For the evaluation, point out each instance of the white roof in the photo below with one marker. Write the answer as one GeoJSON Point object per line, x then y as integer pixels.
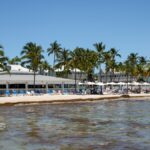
{"type": "Point", "coordinates": [72, 70]}
{"type": "Point", "coordinates": [76, 69]}
{"type": "Point", "coordinates": [16, 78]}
{"type": "Point", "coordinates": [18, 68]}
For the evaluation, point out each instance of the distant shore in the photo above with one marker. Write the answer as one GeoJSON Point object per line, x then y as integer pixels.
{"type": "Point", "coordinates": [64, 98]}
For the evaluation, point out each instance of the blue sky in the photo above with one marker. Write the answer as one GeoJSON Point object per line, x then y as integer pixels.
{"type": "Point", "coordinates": [122, 24]}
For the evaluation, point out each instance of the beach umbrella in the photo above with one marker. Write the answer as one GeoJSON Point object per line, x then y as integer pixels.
{"type": "Point", "coordinates": [129, 83]}
{"type": "Point", "coordinates": [145, 84]}
{"type": "Point", "coordinates": [122, 83]}
{"type": "Point", "coordinates": [111, 83]}
{"type": "Point", "coordinates": [90, 83]}
{"type": "Point", "coordinates": [80, 83]}
{"type": "Point", "coordinates": [135, 83]}
{"type": "Point", "coordinates": [99, 83]}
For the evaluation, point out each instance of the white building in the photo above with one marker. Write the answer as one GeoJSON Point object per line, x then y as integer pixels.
{"type": "Point", "coordinates": [80, 75]}
{"type": "Point", "coordinates": [20, 78]}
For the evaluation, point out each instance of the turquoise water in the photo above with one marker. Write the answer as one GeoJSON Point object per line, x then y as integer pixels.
{"type": "Point", "coordinates": [115, 125]}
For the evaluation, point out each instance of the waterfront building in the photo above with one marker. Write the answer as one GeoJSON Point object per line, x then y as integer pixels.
{"type": "Point", "coordinates": [72, 73]}
{"type": "Point", "coordinates": [115, 77]}
{"type": "Point", "coordinates": [20, 78]}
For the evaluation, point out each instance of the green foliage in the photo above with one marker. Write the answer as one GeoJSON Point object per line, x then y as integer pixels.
{"type": "Point", "coordinates": [15, 60]}
{"type": "Point", "coordinates": [84, 59]}
{"type": "Point", "coordinates": [55, 49]}
{"type": "Point", "coordinates": [3, 59]}
{"type": "Point", "coordinates": [63, 60]}
{"type": "Point", "coordinates": [80, 58]}
{"type": "Point", "coordinates": [32, 55]}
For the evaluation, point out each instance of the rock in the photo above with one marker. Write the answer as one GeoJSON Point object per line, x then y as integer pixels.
{"type": "Point", "coordinates": [125, 96]}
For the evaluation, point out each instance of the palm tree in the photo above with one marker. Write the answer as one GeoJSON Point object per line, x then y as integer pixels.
{"type": "Point", "coordinates": [141, 68]}
{"type": "Point", "coordinates": [90, 63]}
{"type": "Point", "coordinates": [113, 54]}
{"type": "Point", "coordinates": [147, 73]}
{"type": "Point", "coordinates": [73, 63]}
{"type": "Point", "coordinates": [77, 61]}
{"type": "Point", "coordinates": [3, 59]}
{"type": "Point", "coordinates": [100, 48]}
{"type": "Point", "coordinates": [32, 56]}
{"type": "Point", "coordinates": [107, 61]}
{"type": "Point", "coordinates": [120, 69]}
{"type": "Point", "coordinates": [55, 49]}
{"type": "Point", "coordinates": [133, 60]}
{"type": "Point", "coordinates": [127, 70]}
{"type": "Point", "coordinates": [63, 61]}
{"type": "Point", "coordinates": [15, 60]}
{"type": "Point", "coordinates": [45, 66]}
{"type": "Point", "coordinates": [131, 67]}
{"type": "Point", "coordinates": [85, 60]}
{"type": "Point", "coordinates": [147, 70]}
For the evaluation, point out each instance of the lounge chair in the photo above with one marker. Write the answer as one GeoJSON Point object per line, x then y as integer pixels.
{"type": "Point", "coordinates": [59, 92]}
{"type": "Point", "coordinates": [7, 93]}
{"type": "Point", "coordinates": [51, 91]}
{"type": "Point", "coordinates": [32, 93]}
{"type": "Point", "coordinates": [37, 92]}
{"type": "Point", "coordinates": [28, 93]}
{"type": "Point", "coordinates": [65, 92]}
{"type": "Point", "coordinates": [14, 93]}
{"type": "Point", "coordinates": [22, 92]}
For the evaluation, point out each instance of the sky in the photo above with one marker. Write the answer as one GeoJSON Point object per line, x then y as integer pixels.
{"type": "Point", "coordinates": [120, 24]}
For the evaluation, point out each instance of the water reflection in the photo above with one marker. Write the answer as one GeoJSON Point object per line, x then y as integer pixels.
{"type": "Point", "coordinates": [115, 125]}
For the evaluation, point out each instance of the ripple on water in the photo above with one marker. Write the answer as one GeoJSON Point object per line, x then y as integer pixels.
{"type": "Point", "coordinates": [114, 125]}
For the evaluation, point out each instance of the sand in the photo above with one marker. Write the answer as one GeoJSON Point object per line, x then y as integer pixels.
{"type": "Point", "coordinates": [12, 100]}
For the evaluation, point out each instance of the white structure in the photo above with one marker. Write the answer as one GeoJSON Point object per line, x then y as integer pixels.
{"type": "Point", "coordinates": [80, 75]}
{"type": "Point", "coordinates": [18, 68]}
{"type": "Point", "coordinates": [23, 78]}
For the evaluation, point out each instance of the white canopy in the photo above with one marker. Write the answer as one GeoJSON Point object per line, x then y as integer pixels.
{"type": "Point", "coordinates": [90, 83]}
{"type": "Point", "coordinates": [135, 83]}
{"type": "Point", "coordinates": [99, 83]}
{"type": "Point", "coordinates": [145, 83]}
{"type": "Point", "coordinates": [121, 83]}
{"type": "Point", "coordinates": [111, 83]}
{"type": "Point", "coordinates": [80, 83]}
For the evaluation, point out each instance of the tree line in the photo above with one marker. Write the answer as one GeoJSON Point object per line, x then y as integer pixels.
{"type": "Point", "coordinates": [31, 56]}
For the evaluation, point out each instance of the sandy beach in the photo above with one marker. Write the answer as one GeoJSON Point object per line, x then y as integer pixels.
{"type": "Point", "coordinates": [62, 98]}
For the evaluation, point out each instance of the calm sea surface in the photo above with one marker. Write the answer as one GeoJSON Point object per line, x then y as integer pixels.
{"type": "Point", "coordinates": [115, 125]}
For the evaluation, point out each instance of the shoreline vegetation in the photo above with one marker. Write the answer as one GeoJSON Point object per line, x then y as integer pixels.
{"type": "Point", "coordinates": [32, 56]}
{"type": "Point", "coordinates": [135, 68]}
{"type": "Point", "coordinates": [60, 99]}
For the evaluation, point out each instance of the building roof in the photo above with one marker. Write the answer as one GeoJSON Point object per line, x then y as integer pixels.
{"type": "Point", "coordinates": [71, 70]}
{"type": "Point", "coordinates": [22, 78]}
{"type": "Point", "coordinates": [18, 68]}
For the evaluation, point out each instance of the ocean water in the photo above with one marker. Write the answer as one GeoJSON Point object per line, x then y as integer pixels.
{"type": "Point", "coordinates": [113, 125]}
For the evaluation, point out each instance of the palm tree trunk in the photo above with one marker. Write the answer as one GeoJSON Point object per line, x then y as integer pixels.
{"type": "Point", "coordinates": [100, 75]}
{"type": "Point", "coordinates": [34, 81]}
{"type": "Point", "coordinates": [75, 78]}
{"type": "Point", "coordinates": [110, 76]}
{"type": "Point", "coordinates": [54, 61]}
{"type": "Point", "coordinates": [119, 77]}
{"type": "Point", "coordinates": [106, 77]}
{"type": "Point", "coordinates": [54, 65]}
{"type": "Point", "coordinates": [127, 82]}
{"type": "Point", "coordinates": [81, 76]}
{"type": "Point", "coordinates": [113, 75]}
